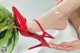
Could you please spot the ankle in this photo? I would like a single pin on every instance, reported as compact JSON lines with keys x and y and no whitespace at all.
{"x":60,"y":26}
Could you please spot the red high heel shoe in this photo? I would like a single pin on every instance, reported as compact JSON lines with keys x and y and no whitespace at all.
{"x":21,"y":23}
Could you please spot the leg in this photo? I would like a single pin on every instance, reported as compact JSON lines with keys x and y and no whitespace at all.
{"x":75,"y":20}
{"x":50,"y":20}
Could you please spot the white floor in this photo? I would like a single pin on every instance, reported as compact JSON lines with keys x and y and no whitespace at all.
{"x":32,"y":9}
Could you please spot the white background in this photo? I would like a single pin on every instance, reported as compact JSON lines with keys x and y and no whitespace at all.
{"x":32,"y":9}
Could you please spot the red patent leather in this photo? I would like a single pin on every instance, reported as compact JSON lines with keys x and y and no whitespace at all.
{"x":22,"y":27}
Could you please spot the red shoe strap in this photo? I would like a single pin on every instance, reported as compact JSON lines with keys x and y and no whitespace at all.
{"x":39,"y":25}
{"x":45,"y":34}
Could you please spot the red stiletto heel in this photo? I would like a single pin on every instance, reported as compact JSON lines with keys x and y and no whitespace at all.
{"x":21,"y":23}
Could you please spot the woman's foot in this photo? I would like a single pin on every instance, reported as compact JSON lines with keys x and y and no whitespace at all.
{"x":57,"y":25}
{"x":48,"y":22}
